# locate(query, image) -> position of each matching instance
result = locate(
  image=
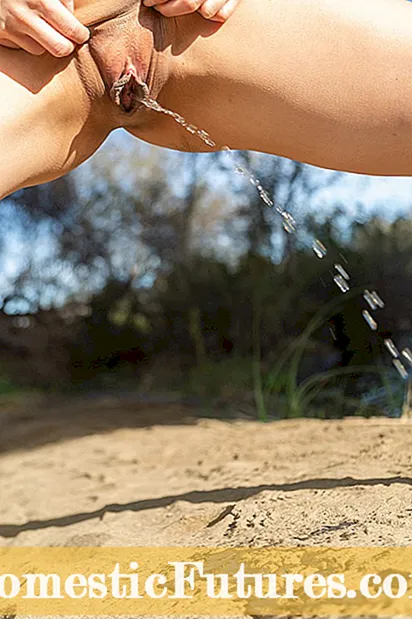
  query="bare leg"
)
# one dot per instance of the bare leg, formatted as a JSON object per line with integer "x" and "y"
{"x": 55, "y": 113}
{"x": 49, "y": 123}
{"x": 324, "y": 82}
{"x": 321, "y": 82}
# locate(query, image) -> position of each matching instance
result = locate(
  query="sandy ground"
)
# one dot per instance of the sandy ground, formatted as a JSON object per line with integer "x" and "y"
{"x": 110, "y": 472}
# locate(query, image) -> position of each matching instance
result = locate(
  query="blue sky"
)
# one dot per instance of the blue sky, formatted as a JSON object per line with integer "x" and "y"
{"x": 388, "y": 196}
{"x": 373, "y": 191}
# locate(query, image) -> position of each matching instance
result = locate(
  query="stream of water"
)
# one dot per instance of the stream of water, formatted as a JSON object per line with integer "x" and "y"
{"x": 341, "y": 276}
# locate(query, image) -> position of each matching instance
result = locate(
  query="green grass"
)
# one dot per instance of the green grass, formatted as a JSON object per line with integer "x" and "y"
{"x": 7, "y": 387}
{"x": 320, "y": 394}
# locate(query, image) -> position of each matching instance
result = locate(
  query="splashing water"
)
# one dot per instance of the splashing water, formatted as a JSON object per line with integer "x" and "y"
{"x": 342, "y": 271}
{"x": 289, "y": 222}
{"x": 407, "y": 353}
{"x": 403, "y": 372}
{"x": 373, "y": 299}
{"x": 377, "y": 300}
{"x": 392, "y": 348}
{"x": 153, "y": 105}
{"x": 319, "y": 249}
{"x": 370, "y": 321}
{"x": 341, "y": 283}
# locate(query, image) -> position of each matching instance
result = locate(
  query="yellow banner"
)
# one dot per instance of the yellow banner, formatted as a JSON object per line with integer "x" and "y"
{"x": 206, "y": 581}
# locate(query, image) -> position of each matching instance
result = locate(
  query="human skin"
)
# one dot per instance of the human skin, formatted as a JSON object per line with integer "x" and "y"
{"x": 50, "y": 25}
{"x": 54, "y": 113}
{"x": 322, "y": 82}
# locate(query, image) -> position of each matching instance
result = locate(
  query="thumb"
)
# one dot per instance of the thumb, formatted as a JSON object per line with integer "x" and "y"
{"x": 69, "y": 4}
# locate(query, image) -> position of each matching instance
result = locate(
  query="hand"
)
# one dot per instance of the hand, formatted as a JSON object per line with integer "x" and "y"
{"x": 41, "y": 25}
{"x": 216, "y": 10}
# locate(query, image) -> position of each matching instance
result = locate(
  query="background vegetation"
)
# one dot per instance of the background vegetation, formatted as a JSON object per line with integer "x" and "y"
{"x": 164, "y": 273}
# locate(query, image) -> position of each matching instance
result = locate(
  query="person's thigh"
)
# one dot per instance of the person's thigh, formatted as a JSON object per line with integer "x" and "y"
{"x": 49, "y": 122}
{"x": 54, "y": 113}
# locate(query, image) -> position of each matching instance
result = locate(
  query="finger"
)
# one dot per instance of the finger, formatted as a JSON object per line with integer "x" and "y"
{"x": 9, "y": 44}
{"x": 60, "y": 17}
{"x": 69, "y": 4}
{"x": 227, "y": 10}
{"x": 210, "y": 8}
{"x": 175, "y": 8}
{"x": 51, "y": 40}
{"x": 22, "y": 41}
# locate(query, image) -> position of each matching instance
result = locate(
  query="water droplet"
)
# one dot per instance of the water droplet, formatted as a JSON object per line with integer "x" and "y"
{"x": 379, "y": 302}
{"x": 392, "y": 348}
{"x": 407, "y": 353}
{"x": 341, "y": 283}
{"x": 209, "y": 142}
{"x": 319, "y": 249}
{"x": 266, "y": 198}
{"x": 228, "y": 153}
{"x": 401, "y": 368}
{"x": 263, "y": 194}
{"x": 205, "y": 137}
{"x": 289, "y": 222}
{"x": 341, "y": 280}
{"x": 151, "y": 104}
{"x": 342, "y": 271}
{"x": 368, "y": 296}
{"x": 371, "y": 322}
{"x": 373, "y": 300}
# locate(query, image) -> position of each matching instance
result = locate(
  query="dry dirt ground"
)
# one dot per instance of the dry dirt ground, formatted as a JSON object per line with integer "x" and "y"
{"x": 110, "y": 472}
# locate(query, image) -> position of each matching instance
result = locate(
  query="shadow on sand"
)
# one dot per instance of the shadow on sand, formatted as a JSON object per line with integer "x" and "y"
{"x": 222, "y": 495}
{"x": 34, "y": 422}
